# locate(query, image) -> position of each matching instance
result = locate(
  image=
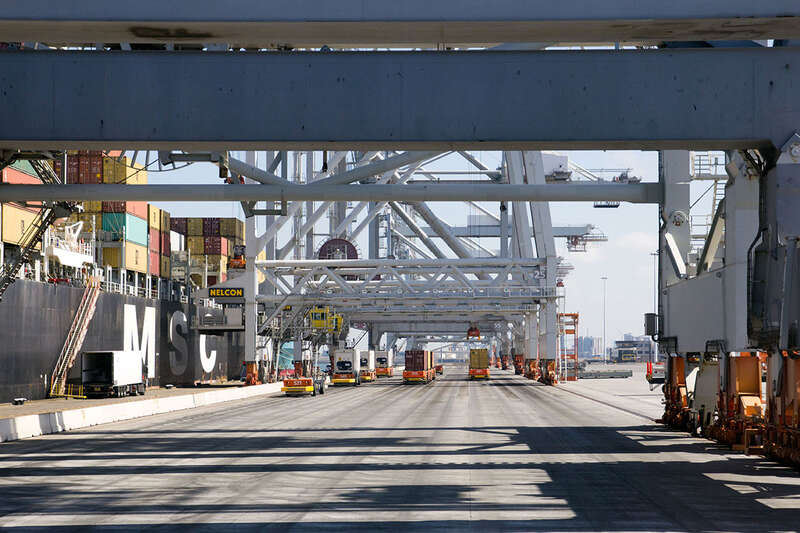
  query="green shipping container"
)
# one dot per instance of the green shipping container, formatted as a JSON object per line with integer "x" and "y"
{"x": 134, "y": 228}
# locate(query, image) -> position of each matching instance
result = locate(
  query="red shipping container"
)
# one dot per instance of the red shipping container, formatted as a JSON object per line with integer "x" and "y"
{"x": 95, "y": 169}
{"x": 212, "y": 280}
{"x": 83, "y": 169}
{"x": 155, "y": 241}
{"x": 12, "y": 175}
{"x": 417, "y": 360}
{"x": 138, "y": 209}
{"x": 155, "y": 264}
{"x": 178, "y": 224}
{"x": 210, "y": 227}
{"x": 165, "y": 244}
{"x": 215, "y": 245}
{"x": 113, "y": 153}
{"x": 72, "y": 168}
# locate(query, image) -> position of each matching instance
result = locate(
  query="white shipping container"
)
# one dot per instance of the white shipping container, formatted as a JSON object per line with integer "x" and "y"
{"x": 177, "y": 241}
{"x": 346, "y": 361}
{"x": 367, "y": 358}
{"x": 384, "y": 358}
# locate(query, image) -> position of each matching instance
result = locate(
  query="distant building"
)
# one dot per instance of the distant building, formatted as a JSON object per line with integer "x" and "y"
{"x": 589, "y": 346}
{"x": 645, "y": 347}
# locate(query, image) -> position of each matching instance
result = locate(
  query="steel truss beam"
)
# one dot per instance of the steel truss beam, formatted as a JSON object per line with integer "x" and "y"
{"x": 382, "y": 283}
{"x": 440, "y": 192}
{"x": 651, "y": 99}
{"x": 382, "y": 22}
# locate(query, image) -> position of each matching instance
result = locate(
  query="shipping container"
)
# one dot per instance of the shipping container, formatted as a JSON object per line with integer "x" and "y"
{"x": 117, "y": 373}
{"x": 210, "y": 227}
{"x": 155, "y": 263}
{"x": 92, "y": 207}
{"x": 134, "y": 228}
{"x": 88, "y": 219}
{"x": 213, "y": 280}
{"x": 194, "y": 227}
{"x": 479, "y": 358}
{"x": 165, "y": 244}
{"x": 216, "y": 246}
{"x": 17, "y": 177}
{"x": 196, "y": 246}
{"x": 16, "y": 221}
{"x": 154, "y": 217}
{"x": 217, "y": 263}
{"x": 178, "y": 225}
{"x": 72, "y": 168}
{"x": 177, "y": 242}
{"x": 154, "y": 241}
{"x": 418, "y": 360}
{"x": 138, "y": 209}
{"x": 164, "y": 266}
{"x": 478, "y": 363}
{"x": 164, "y": 225}
{"x": 121, "y": 171}
{"x": 136, "y": 257}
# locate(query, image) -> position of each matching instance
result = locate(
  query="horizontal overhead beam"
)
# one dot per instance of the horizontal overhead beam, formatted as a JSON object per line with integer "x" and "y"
{"x": 382, "y": 22}
{"x": 583, "y": 192}
{"x": 653, "y": 99}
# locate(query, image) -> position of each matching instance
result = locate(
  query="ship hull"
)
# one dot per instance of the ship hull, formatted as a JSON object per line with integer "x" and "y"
{"x": 35, "y": 319}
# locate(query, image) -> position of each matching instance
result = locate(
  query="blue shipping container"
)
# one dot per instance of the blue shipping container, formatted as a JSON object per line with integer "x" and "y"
{"x": 134, "y": 228}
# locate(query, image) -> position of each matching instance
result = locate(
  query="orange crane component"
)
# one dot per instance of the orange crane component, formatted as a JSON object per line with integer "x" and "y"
{"x": 548, "y": 373}
{"x": 740, "y": 421}
{"x": 568, "y": 357}
{"x": 676, "y": 406}
{"x": 782, "y": 424}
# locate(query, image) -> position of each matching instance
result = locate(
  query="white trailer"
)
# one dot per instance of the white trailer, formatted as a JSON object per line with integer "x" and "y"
{"x": 112, "y": 373}
{"x": 368, "y": 365}
{"x": 384, "y": 363}
{"x": 346, "y": 367}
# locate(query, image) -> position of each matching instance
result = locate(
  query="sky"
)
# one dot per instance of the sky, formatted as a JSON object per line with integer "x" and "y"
{"x": 625, "y": 259}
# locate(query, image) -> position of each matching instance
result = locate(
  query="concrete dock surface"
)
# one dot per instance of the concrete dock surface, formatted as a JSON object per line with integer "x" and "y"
{"x": 454, "y": 455}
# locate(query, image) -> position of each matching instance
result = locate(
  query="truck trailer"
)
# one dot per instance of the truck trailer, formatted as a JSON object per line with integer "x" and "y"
{"x": 384, "y": 363}
{"x": 367, "y": 365}
{"x": 346, "y": 368}
{"x": 113, "y": 373}
{"x": 419, "y": 367}
{"x": 478, "y": 363}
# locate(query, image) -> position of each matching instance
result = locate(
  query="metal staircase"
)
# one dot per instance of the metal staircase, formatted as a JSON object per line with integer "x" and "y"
{"x": 75, "y": 337}
{"x": 35, "y": 232}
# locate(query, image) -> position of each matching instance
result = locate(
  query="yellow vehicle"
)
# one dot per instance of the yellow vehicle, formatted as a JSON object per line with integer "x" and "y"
{"x": 323, "y": 318}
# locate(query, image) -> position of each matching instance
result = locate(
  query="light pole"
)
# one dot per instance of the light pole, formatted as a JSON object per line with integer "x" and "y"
{"x": 605, "y": 354}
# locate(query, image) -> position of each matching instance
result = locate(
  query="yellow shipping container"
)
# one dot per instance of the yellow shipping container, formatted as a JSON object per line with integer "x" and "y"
{"x": 165, "y": 266}
{"x": 16, "y": 222}
{"x": 136, "y": 257}
{"x": 217, "y": 263}
{"x": 479, "y": 358}
{"x": 92, "y": 207}
{"x": 196, "y": 246}
{"x": 136, "y": 175}
{"x": 165, "y": 222}
{"x": 154, "y": 217}
{"x": 86, "y": 218}
{"x": 113, "y": 170}
{"x": 227, "y": 227}
{"x": 194, "y": 227}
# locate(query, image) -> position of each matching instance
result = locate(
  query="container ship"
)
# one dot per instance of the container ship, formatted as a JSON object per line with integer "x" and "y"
{"x": 142, "y": 261}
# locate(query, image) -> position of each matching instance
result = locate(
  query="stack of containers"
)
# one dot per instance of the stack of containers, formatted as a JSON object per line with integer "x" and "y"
{"x": 154, "y": 228}
{"x": 17, "y": 219}
{"x": 135, "y": 233}
{"x": 166, "y": 246}
{"x": 216, "y": 250}
{"x": 194, "y": 237}
{"x": 128, "y": 220}
{"x": 83, "y": 166}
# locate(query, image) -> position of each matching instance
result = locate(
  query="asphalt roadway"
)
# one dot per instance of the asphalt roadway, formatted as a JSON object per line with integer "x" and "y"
{"x": 503, "y": 455}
